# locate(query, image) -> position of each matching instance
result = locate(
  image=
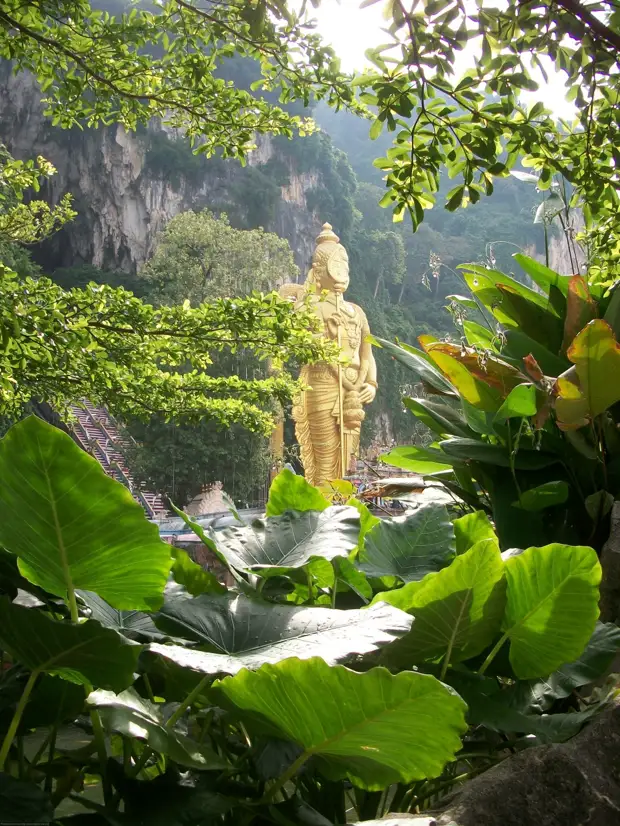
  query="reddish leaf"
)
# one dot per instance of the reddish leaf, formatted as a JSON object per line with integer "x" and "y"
{"x": 532, "y": 368}
{"x": 581, "y": 308}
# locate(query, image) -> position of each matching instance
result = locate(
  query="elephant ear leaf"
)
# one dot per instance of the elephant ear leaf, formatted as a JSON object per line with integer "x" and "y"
{"x": 277, "y": 544}
{"x": 84, "y": 653}
{"x": 71, "y": 526}
{"x": 374, "y": 728}
{"x": 458, "y": 611}
{"x": 235, "y": 632}
{"x": 290, "y": 492}
{"x": 551, "y": 607}
{"x": 409, "y": 547}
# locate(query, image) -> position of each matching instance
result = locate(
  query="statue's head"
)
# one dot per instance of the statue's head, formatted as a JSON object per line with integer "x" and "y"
{"x": 330, "y": 263}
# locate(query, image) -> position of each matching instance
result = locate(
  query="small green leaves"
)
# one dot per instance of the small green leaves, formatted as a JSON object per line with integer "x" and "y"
{"x": 374, "y": 728}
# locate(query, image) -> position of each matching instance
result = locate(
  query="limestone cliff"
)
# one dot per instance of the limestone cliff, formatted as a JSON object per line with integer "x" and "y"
{"x": 124, "y": 197}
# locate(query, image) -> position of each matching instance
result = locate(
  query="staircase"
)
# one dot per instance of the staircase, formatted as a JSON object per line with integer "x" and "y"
{"x": 96, "y": 433}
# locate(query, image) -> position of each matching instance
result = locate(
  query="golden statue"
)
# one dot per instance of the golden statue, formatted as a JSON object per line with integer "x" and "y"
{"x": 328, "y": 415}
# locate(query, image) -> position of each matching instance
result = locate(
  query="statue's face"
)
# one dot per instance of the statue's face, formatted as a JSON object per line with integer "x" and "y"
{"x": 335, "y": 276}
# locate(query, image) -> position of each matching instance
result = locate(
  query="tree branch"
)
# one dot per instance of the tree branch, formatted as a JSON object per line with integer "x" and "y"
{"x": 596, "y": 26}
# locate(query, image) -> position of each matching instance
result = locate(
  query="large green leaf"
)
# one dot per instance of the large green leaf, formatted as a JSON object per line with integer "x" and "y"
{"x": 278, "y": 543}
{"x": 235, "y": 632}
{"x": 74, "y": 527}
{"x": 372, "y": 727}
{"x": 515, "y": 305}
{"x": 476, "y": 451}
{"x": 552, "y": 606}
{"x": 133, "y": 624}
{"x": 290, "y": 492}
{"x": 470, "y": 529}
{"x": 130, "y": 715}
{"x": 419, "y": 363}
{"x": 479, "y": 277}
{"x": 409, "y": 547}
{"x": 541, "y": 275}
{"x": 458, "y": 611}
{"x": 192, "y": 576}
{"x": 544, "y": 496}
{"x": 471, "y": 386}
{"x": 519, "y": 346}
{"x": 478, "y": 336}
{"x": 596, "y": 385}
{"x": 85, "y": 653}
{"x": 440, "y": 417}
{"x": 425, "y": 460}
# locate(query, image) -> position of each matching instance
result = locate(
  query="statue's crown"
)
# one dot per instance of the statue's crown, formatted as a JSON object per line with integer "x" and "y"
{"x": 327, "y": 234}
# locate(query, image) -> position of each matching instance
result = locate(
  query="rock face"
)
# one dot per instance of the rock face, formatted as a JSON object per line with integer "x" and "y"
{"x": 570, "y": 784}
{"x": 123, "y": 201}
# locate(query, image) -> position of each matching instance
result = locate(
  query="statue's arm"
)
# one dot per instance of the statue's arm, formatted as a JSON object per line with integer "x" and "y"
{"x": 368, "y": 363}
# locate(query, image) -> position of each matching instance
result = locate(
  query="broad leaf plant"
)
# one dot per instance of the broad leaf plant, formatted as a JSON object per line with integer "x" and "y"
{"x": 355, "y": 666}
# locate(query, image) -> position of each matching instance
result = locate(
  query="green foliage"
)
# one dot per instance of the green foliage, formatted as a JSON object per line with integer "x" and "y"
{"x": 298, "y": 641}
{"x": 541, "y": 405}
{"x": 55, "y": 549}
{"x": 140, "y": 62}
{"x": 374, "y": 728}
{"x": 199, "y": 257}
{"x": 291, "y": 492}
{"x": 117, "y": 351}
{"x": 474, "y": 124}
{"x": 179, "y": 459}
{"x": 30, "y": 222}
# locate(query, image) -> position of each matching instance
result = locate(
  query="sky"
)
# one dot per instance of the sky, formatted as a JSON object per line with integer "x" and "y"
{"x": 351, "y": 30}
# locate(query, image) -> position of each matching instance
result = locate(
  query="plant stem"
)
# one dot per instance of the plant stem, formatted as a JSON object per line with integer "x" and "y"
{"x": 39, "y": 753}
{"x": 149, "y": 687}
{"x": 141, "y": 762}
{"x": 492, "y": 654}
{"x": 284, "y": 778}
{"x": 16, "y": 719}
{"x": 334, "y": 592}
{"x": 102, "y": 754}
{"x": 187, "y": 702}
{"x": 50, "y": 756}
{"x": 446, "y": 660}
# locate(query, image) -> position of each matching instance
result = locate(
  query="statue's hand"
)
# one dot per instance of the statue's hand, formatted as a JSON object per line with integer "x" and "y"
{"x": 367, "y": 393}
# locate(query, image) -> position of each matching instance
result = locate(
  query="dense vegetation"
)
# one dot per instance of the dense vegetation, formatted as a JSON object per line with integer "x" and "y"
{"x": 201, "y": 704}
{"x": 529, "y": 422}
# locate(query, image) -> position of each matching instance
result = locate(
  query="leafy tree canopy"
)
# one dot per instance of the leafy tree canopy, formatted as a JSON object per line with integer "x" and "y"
{"x": 103, "y": 343}
{"x": 200, "y": 257}
{"x": 445, "y": 120}
{"x": 128, "y": 64}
